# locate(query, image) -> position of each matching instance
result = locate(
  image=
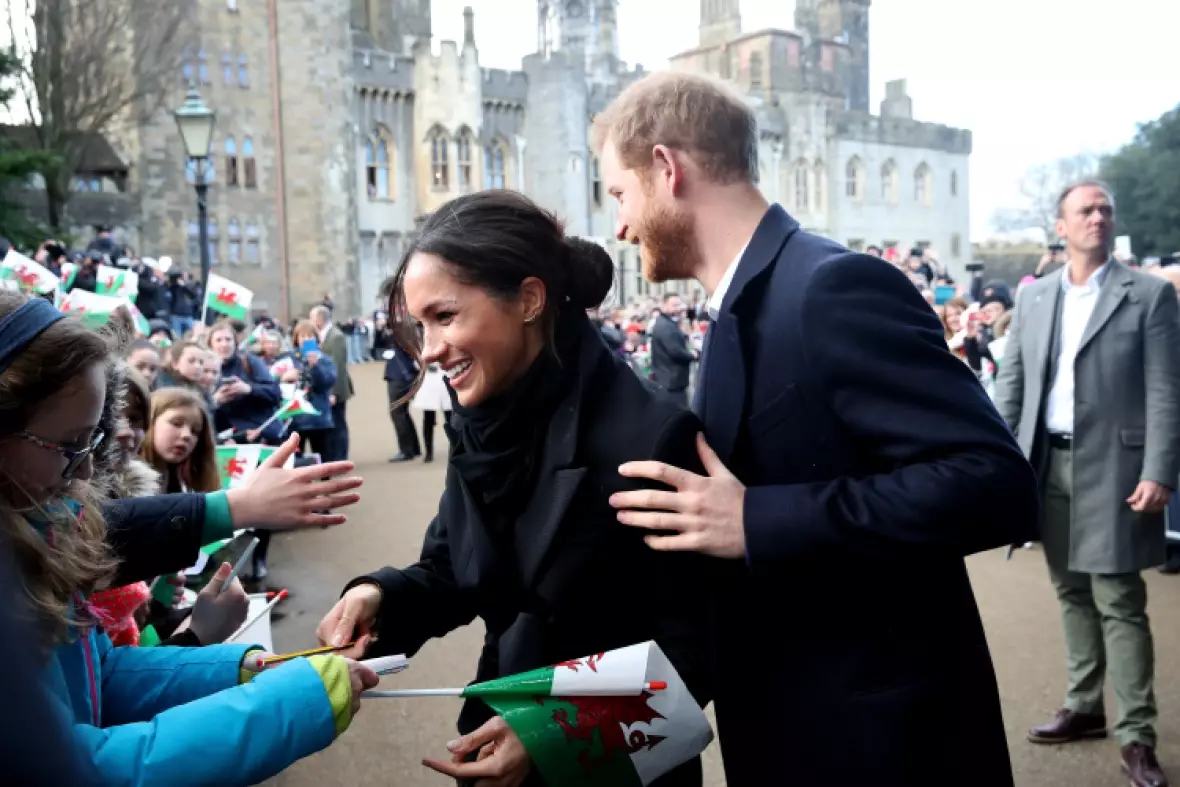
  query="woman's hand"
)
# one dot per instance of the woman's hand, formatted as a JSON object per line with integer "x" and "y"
{"x": 312, "y": 358}
{"x": 224, "y": 395}
{"x": 216, "y": 615}
{"x": 502, "y": 760}
{"x": 252, "y": 435}
{"x": 352, "y": 618}
{"x": 177, "y": 581}
{"x": 361, "y": 678}
{"x": 290, "y": 376}
{"x": 274, "y": 498}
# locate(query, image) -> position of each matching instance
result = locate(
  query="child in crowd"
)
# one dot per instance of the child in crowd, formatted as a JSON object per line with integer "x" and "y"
{"x": 313, "y": 373}
{"x": 189, "y": 364}
{"x": 141, "y": 716}
{"x": 144, "y": 358}
{"x": 180, "y": 443}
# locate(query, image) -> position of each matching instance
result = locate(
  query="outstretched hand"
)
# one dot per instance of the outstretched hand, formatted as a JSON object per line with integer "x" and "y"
{"x": 502, "y": 760}
{"x": 703, "y": 514}
{"x": 277, "y": 498}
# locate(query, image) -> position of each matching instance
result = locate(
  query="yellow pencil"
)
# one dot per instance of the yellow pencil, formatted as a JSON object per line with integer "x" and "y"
{"x": 302, "y": 653}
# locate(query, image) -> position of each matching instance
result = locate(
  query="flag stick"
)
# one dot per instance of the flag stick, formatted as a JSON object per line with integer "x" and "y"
{"x": 273, "y": 418}
{"x": 281, "y": 595}
{"x": 239, "y": 565}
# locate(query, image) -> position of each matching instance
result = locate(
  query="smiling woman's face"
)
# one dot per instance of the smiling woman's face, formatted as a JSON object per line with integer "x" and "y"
{"x": 481, "y": 342}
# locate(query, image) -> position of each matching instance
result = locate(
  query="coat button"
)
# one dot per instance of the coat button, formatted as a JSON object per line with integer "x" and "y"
{"x": 178, "y": 522}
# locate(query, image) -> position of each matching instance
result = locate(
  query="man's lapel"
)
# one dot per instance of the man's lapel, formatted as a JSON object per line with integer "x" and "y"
{"x": 1114, "y": 290}
{"x": 1043, "y": 320}
{"x": 723, "y": 380}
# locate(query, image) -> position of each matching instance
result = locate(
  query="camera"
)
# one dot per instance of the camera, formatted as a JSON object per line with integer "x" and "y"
{"x": 1056, "y": 248}
{"x": 975, "y": 267}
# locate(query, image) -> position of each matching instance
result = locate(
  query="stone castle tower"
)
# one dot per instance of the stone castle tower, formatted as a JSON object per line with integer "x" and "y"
{"x": 721, "y": 21}
{"x": 846, "y": 21}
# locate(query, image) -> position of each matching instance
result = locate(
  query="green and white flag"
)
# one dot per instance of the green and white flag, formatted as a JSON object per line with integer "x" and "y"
{"x": 236, "y": 463}
{"x": 229, "y": 298}
{"x": 621, "y": 718}
{"x": 141, "y": 323}
{"x": 28, "y": 275}
{"x": 296, "y": 405}
{"x": 94, "y": 310}
{"x": 69, "y": 272}
{"x": 117, "y": 282}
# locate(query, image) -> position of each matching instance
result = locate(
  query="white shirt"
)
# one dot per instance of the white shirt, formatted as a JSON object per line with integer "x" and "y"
{"x": 1077, "y": 304}
{"x": 713, "y": 307}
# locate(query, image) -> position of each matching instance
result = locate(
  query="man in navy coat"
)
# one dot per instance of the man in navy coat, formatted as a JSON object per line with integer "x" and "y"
{"x": 852, "y": 462}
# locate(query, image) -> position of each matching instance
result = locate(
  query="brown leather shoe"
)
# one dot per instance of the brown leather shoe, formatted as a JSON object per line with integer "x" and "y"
{"x": 1141, "y": 766}
{"x": 1069, "y": 726}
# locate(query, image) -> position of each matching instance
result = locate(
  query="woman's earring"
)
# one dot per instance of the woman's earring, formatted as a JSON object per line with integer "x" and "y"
{"x": 530, "y": 318}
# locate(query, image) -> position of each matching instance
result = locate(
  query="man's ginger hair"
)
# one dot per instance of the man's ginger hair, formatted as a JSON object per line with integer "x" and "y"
{"x": 698, "y": 115}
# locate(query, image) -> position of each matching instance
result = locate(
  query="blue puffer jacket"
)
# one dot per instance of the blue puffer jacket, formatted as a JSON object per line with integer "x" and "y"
{"x": 316, "y": 381}
{"x": 253, "y": 409}
{"x": 177, "y": 716}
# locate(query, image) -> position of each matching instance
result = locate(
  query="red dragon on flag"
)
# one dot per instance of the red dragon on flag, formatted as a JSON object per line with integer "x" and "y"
{"x": 607, "y": 719}
{"x": 227, "y": 297}
{"x": 235, "y": 467}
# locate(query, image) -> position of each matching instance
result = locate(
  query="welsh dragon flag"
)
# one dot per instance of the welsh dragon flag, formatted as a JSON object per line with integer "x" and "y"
{"x": 96, "y": 310}
{"x": 69, "y": 272}
{"x": 226, "y": 297}
{"x": 621, "y": 718}
{"x": 28, "y": 275}
{"x": 236, "y": 463}
{"x": 117, "y": 282}
{"x": 296, "y": 405}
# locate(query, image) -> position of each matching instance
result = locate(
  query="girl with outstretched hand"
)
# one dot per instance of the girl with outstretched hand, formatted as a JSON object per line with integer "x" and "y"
{"x": 140, "y": 716}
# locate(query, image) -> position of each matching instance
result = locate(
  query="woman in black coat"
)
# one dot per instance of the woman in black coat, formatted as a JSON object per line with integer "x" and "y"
{"x": 544, "y": 415}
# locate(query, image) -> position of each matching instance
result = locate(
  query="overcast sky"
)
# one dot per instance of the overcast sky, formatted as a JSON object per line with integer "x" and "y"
{"x": 1033, "y": 79}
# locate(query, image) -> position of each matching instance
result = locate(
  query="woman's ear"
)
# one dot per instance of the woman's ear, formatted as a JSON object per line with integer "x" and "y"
{"x": 532, "y": 298}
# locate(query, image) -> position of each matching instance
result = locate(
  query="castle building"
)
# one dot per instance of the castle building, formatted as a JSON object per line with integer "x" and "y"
{"x": 328, "y": 157}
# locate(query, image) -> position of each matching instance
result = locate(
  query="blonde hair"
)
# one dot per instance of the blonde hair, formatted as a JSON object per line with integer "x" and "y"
{"x": 303, "y": 327}
{"x": 200, "y": 469}
{"x": 699, "y": 115}
{"x": 71, "y": 557}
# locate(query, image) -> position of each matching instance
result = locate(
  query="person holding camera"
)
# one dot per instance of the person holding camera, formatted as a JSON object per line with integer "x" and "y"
{"x": 185, "y": 301}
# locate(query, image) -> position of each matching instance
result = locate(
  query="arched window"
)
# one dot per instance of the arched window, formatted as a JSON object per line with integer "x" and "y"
{"x": 253, "y": 250}
{"x": 463, "y": 159}
{"x": 227, "y": 69}
{"x": 377, "y": 167}
{"x": 819, "y": 183}
{"x": 440, "y": 170}
{"x": 755, "y": 70}
{"x": 954, "y": 183}
{"x": 231, "y": 162}
{"x": 186, "y": 67}
{"x": 493, "y": 157}
{"x": 889, "y": 185}
{"x": 243, "y": 72}
{"x": 854, "y": 179}
{"x": 802, "y": 187}
{"x": 203, "y": 67}
{"x": 249, "y": 167}
{"x": 208, "y": 168}
{"x": 235, "y": 242}
{"x": 923, "y": 185}
{"x": 595, "y": 181}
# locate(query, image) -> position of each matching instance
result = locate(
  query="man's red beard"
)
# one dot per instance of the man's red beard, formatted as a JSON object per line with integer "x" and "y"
{"x": 667, "y": 245}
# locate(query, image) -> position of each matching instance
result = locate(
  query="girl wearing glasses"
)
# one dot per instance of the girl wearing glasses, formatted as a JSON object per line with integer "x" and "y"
{"x": 205, "y": 727}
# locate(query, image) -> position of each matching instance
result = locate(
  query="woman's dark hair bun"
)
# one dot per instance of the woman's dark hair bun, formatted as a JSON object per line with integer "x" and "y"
{"x": 591, "y": 273}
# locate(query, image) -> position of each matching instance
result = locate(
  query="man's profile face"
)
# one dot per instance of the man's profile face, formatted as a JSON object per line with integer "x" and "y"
{"x": 650, "y": 217}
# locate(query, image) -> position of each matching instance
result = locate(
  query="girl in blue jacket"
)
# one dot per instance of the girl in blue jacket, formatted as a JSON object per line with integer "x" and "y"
{"x": 314, "y": 373}
{"x": 141, "y": 716}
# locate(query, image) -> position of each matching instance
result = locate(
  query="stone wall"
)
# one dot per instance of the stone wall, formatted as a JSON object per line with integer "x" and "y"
{"x": 556, "y": 160}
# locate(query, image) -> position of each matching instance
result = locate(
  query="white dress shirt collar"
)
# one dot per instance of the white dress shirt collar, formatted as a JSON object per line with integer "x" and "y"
{"x": 718, "y": 296}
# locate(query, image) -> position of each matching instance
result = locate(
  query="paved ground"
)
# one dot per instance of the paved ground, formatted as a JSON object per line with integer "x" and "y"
{"x": 389, "y": 737}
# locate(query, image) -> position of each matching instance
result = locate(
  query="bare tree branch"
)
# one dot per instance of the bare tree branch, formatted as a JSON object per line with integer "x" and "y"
{"x": 1039, "y": 190}
{"x": 91, "y": 64}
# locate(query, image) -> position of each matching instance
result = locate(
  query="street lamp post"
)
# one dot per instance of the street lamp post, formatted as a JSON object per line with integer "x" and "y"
{"x": 195, "y": 122}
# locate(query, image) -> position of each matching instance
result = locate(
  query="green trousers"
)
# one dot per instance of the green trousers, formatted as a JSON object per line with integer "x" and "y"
{"x": 1105, "y": 622}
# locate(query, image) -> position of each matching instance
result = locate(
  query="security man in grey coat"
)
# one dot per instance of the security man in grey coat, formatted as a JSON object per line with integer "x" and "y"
{"x": 1091, "y": 386}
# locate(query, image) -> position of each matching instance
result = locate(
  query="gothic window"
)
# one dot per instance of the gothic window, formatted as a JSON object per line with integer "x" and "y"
{"x": 208, "y": 168}
{"x": 954, "y": 183}
{"x": 243, "y": 72}
{"x": 253, "y": 252}
{"x": 377, "y": 167}
{"x": 214, "y": 243}
{"x": 235, "y": 241}
{"x": 193, "y": 232}
{"x": 890, "y": 191}
{"x": 595, "y": 181}
{"x": 755, "y": 70}
{"x": 231, "y": 162}
{"x": 463, "y": 159}
{"x": 820, "y": 185}
{"x": 575, "y": 163}
{"x": 440, "y": 175}
{"x": 923, "y": 183}
{"x": 227, "y": 69}
{"x": 249, "y": 167}
{"x": 854, "y": 179}
{"x": 494, "y": 167}
{"x": 203, "y": 67}
{"x": 802, "y": 187}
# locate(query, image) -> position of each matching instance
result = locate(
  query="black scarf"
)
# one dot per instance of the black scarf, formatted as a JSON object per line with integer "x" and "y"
{"x": 498, "y": 443}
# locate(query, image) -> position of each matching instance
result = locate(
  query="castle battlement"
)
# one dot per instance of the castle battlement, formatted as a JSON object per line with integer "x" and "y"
{"x": 502, "y": 85}
{"x": 375, "y": 68}
{"x": 903, "y": 132}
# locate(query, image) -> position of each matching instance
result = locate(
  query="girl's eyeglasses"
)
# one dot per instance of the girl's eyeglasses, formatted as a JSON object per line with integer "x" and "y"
{"x": 74, "y": 457}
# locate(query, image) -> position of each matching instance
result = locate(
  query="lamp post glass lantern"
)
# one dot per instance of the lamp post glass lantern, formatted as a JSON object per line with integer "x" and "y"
{"x": 195, "y": 122}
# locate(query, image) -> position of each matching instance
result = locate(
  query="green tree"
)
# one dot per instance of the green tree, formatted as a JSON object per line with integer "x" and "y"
{"x": 1143, "y": 175}
{"x": 16, "y": 166}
